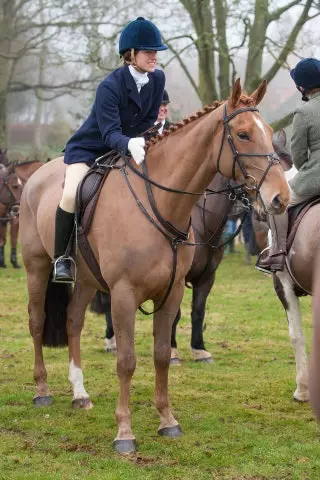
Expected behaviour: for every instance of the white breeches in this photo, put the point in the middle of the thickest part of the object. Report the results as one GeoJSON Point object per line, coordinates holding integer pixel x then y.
{"type": "Point", "coordinates": [74, 174]}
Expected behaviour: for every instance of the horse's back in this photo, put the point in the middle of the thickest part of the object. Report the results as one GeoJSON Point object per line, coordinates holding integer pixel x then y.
{"type": "Point", "coordinates": [304, 247]}
{"type": "Point", "coordinates": [39, 200]}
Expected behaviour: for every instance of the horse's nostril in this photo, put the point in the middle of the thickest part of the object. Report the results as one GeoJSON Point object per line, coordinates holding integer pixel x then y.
{"type": "Point", "coordinates": [276, 202]}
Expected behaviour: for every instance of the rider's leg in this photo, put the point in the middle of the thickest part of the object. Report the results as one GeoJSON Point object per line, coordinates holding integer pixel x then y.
{"type": "Point", "coordinates": [272, 259]}
{"type": "Point", "coordinates": [65, 222]}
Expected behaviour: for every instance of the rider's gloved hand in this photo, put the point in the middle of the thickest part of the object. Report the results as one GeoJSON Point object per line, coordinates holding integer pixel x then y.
{"type": "Point", "coordinates": [136, 148]}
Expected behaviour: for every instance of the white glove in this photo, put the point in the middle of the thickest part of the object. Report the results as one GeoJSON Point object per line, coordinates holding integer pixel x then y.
{"type": "Point", "coordinates": [136, 147]}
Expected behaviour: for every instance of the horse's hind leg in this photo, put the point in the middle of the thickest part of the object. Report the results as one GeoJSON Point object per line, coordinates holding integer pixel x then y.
{"type": "Point", "coordinates": [162, 326]}
{"type": "Point", "coordinates": [175, 357]}
{"type": "Point", "coordinates": [111, 344]}
{"type": "Point", "coordinates": [200, 294]}
{"type": "Point", "coordinates": [81, 297]}
{"type": "Point", "coordinates": [3, 235]}
{"type": "Point", "coordinates": [285, 290]}
{"type": "Point", "coordinates": [38, 271]}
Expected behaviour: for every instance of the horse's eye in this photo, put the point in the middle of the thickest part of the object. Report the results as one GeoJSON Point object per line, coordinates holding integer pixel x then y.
{"type": "Point", "coordinates": [15, 187]}
{"type": "Point", "coordinates": [243, 136]}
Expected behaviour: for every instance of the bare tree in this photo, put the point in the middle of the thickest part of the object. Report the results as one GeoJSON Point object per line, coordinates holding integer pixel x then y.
{"type": "Point", "coordinates": [222, 31]}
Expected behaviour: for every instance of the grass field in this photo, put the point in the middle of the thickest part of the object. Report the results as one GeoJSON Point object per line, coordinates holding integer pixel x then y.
{"type": "Point", "coordinates": [237, 414]}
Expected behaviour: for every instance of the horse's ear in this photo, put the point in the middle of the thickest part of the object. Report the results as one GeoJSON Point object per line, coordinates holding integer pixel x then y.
{"type": "Point", "coordinates": [258, 94]}
{"type": "Point", "coordinates": [282, 138]}
{"type": "Point", "coordinates": [234, 98]}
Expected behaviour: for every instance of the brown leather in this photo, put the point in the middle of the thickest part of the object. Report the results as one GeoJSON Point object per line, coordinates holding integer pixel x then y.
{"type": "Point", "coordinates": [275, 256]}
{"type": "Point", "coordinates": [296, 214]}
{"type": "Point", "coordinates": [87, 196]}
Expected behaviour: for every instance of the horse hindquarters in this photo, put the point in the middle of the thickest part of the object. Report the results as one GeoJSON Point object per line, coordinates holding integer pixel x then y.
{"type": "Point", "coordinates": [284, 288]}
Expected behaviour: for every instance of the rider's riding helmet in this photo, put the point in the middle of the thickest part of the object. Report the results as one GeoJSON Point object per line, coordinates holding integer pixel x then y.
{"type": "Point", "coordinates": [165, 98]}
{"type": "Point", "coordinates": [306, 73]}
{"type": "Point", "coordinates": [141, 34]}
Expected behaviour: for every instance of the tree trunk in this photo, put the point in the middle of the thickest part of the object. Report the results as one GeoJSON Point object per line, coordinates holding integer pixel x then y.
{"type": "Point", "coordinates": [224, 60]}
{"type": "Point", "coordinates": [201, 16]}
{"type": "Point", "coordinates": [256, 46]}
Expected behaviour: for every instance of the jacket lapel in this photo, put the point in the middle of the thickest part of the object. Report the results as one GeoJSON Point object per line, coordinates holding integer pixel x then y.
{"type": "Point", "coordinates": [132, 87]}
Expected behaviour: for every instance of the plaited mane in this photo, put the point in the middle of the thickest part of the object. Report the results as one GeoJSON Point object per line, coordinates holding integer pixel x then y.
{"type": "Point", "coordinates": [207, 109]}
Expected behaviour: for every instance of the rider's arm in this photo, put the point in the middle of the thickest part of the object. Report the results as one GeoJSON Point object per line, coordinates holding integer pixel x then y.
{"type": "Point", "coordinates": [108, 117]}
{"type": "Point", "coordinates": [299, 140]}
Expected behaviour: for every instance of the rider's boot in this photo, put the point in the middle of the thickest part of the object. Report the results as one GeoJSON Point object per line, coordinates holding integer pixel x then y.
{"type": "Point", "coordinates": [2, 261]}
{"type": "Point", "coordinates": [272, 259]}
{"type": "Point", "coordinates": [13, 258]}
{"type": "Point", "coordinates": [63, 271]}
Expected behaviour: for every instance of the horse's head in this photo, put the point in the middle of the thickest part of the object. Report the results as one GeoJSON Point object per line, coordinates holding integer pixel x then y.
{"type": "Point", "coordinates": [10, 191]}
{"type": "Point", "coordinates": [246, 153]}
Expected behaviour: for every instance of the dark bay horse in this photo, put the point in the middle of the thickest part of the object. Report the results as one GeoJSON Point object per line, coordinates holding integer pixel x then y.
{"type": "Point", "coordinates": [10, 194]}
{"type": "Point", "coordinates": [22, 170]}
{"type": "Point", "coordinates": [135, 259]}
{"type": "Point", "coordinates": [209, 216]}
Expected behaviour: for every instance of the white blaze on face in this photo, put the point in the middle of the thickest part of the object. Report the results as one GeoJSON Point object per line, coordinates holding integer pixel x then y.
{"type": "Point", "coordinates": [76, 380]}
{"type": "Point", "coordinates": [19, 182]}
{"type": "Point", "coordinates": [260, 125]}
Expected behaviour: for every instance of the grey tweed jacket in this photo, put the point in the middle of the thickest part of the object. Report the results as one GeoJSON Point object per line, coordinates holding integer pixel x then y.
{"type": "Point", "coordinates": [305, 147]}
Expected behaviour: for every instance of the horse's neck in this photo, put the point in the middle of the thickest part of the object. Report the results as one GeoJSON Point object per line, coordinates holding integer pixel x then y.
{"type": "Point", "coordinates": [183, 161]}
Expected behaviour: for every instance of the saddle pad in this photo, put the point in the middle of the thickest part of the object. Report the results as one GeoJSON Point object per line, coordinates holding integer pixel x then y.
{"type": "Point", "coordinates": [296, 214]}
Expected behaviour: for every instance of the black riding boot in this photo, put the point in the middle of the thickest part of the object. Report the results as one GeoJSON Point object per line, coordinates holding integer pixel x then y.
{"type": "Point", "coordinates": [13, 258]}
{"type": "Point", "coordinates": [63, 271]}
{"type": "Point", "coordinates": [2, 262]}
{"type": "Point", "coordinates": [272, 259]}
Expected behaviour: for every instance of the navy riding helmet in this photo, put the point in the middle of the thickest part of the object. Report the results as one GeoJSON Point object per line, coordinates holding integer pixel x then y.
{"type": "Point", "coordinates": [141, 34]}
{"type": "Point", "coordinates": [306, 73]}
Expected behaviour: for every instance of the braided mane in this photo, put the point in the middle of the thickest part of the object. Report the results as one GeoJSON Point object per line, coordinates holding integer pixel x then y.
{"type": "Point", "coordinates": [188, 119]}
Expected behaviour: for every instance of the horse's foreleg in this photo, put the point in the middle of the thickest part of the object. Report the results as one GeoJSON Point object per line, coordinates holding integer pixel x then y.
{"type": "Point", "coordinates": [162, 326]}
{"type": "Point", "coordinates": [14, 232]}
{"type": "Point", "coordinates": [199, 299]}
{"type": "Point", "coordinates": [285, 290]}
{"type": "Point", "coordinates": [80, 299]}
{"type": "Point", "coordinates": [123, 315]}
{"type": "Point", "coordinates": [175, 357]}
{"type": "Point", "coordinates": [37, 284]}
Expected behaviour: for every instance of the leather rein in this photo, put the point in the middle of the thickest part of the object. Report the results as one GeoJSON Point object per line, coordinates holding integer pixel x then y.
{"type": "Point", "coordinates": [172, 233]}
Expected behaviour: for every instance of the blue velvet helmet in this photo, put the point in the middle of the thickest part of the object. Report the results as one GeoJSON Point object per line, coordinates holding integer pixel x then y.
{"type": "Point", "coordinates": [141, 34]}
{"type": "Point", "coordinates": [306, 73]}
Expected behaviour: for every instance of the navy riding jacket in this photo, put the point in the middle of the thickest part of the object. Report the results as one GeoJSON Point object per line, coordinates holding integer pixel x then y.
{"type": "Point", "coordinates": [119, 113]}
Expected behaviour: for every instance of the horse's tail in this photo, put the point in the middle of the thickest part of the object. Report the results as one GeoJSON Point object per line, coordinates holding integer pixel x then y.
{"type": "Point", "coordinates": [99, 303]}
{"type": "Point", "coordinates": [55, 327]}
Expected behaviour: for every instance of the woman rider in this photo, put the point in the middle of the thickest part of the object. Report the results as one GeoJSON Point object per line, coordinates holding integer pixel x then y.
{"type": "Point", "coordinates": [305, 149]}
{"type": "Point", "coordinates": [126, 104]}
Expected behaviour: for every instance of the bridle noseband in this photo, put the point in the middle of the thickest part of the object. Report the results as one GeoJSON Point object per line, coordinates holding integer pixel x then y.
{"type": "Point", "coordinates": [272, 157]}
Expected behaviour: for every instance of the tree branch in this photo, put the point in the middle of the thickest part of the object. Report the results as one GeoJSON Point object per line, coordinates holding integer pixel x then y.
{"type": "Point", "coordinates": [277, 13]}
{"type": "Point", "coordinates": [283, 122]}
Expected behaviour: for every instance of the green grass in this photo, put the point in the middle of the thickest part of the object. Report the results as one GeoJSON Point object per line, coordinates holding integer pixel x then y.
{"type": "Point", "coordinates": [237, 414]}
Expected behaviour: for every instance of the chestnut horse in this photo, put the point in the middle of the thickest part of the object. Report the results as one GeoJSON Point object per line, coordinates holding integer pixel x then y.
{"type": "Point", "coordinates": [135, 258]}
{"type": "Point", "coordinates": [209, 217]}
{"type": "Point", "coordinates": [22, 170]}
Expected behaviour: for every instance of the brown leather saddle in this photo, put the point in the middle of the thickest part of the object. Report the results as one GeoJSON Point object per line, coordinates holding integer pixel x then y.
{"type": "Point", "coordinates": [296, 214]}
{"type": "Point", "coordinates": [87, 197]}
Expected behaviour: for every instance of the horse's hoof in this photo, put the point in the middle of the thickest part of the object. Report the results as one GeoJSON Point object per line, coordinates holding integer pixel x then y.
{"type": "Point", "coordinates": [172, 432]}
{"type": "Point", "coordinates": [44, 401]}
{"type": "Point", "coordinates": [204, 360]}
{"type": "Point", "coordinates": [84, 403]}
{"type": "Point", "coordinates": [3, 265]}
{"type": "Point", "coordinates": [111, 345]}
{"type": "Point", "coordinates": [15, 265]}
{"type": "Point", "coordinates": [175, 361]}
{"type": "Point", "coordinates": [111, 350]}
{"type": "Point", "coordinates": [125, 447]}
{"type": "Point", "coordinates": [202, 356]}
{"type": "Point", "coordinates": [301, 397]}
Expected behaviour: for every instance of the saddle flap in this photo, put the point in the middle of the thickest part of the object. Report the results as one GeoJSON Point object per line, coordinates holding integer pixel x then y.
{"type": "Point", "coordinates": [296, 214]}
